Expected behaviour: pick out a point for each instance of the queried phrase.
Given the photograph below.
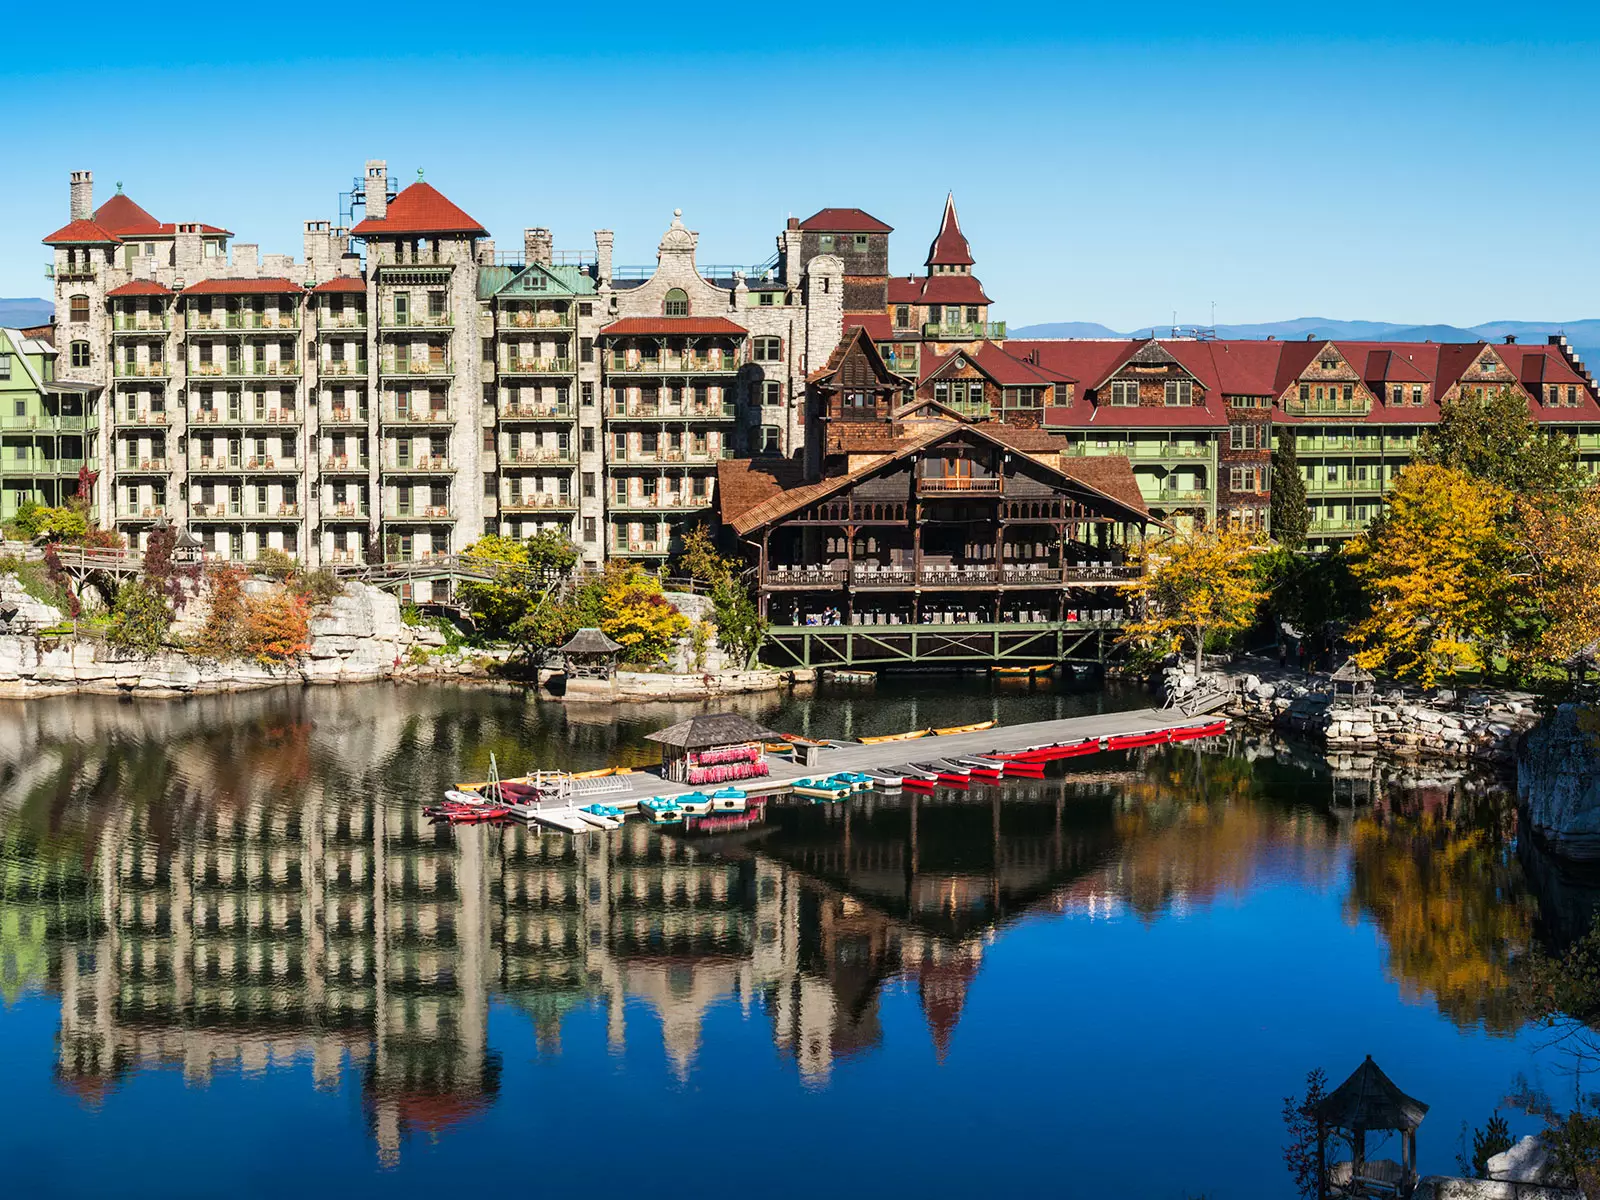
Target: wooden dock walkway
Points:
(628, 790)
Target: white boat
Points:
(596, 820)
(886, 779)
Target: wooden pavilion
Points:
(1368, 1102)
(712, 748)
(590, 654)
(1356, 682)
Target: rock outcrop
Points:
(1558, 781)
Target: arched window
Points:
(78, 309)
(676, 304)
(80, 354)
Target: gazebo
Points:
(1368, 1101)
(712, 748)
(1355, 681)
(590, 654)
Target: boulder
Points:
(1558, 781)
(1529, 1161)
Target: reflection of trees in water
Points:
(1449, 899)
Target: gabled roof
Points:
(534, 279)
(949, 248)
(342, 283)
(844, 220)
(81, 233)
(242, 287)
(1150, 352)
(141, 287)
(999, 367)
(877, 324)
(855, 336)
(936, 289)
(710, 729)
(420, 208)
(671, 326)
(743, 483)
(120, 212)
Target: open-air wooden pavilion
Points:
(1365, 1103)
(712, 748)
(1356, 682)
(590, 654)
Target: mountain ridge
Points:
(21, 311)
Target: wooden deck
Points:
(629, 789)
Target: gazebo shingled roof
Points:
(1370, 1100)
(1353, 672)
(710, 729)
(590, 640)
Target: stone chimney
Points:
(245, 263)
(188, 253)
(604, 239)
(789, 253)
(82, 195)
(377, 189)
(537, 246)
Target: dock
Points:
(626, 791)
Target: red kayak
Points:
(1189, 733)
(1130, 741)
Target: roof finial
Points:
(419, 174)
(677, 212)
(119, 187)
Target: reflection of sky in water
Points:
(1175, 947)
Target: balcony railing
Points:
(349, 510)
(673, 364)
(136, 466)
(431, 512)
(345, 462)
(536, 412)
(526, 458)
(342, 366)
(1167, 497)
(691, 411)
(426, 463)
(342, 320)
(346, 558)
(510, 319)
(665, 502)
(675, 457)
(141, 512)
(419, 416)
(960, 484)
(417, 321)
(141, 323)
(270, 462)
(142, 417)
(244, 369)
(536, 366)
(139, 370)
(416, 366)
(71, 271)
(1321, 487)
(215, 462)
(44, 423)
(537, 501)
(872, 575)
(960, 331)
(242, 322)
(626, 546)
(1143, 450)
(338, 415)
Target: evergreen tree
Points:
(1288, 494)
(1493, 438)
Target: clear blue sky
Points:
(1414, 162)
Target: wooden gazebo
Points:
(712, 748)
(1355, 681)
(590, 654)
(1368, 1101)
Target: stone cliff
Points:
(1558, 781)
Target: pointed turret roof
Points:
(942, 990)
(950, 248)
(120, 213)
(420, 208)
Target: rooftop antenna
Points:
(1213, 314)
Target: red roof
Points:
(120, 212)
(80, 233)
(420, 208)
(242, 287)
(672, 325)
(1003, 368)
(342, 283)
(166, 229)
(937, 289)
(878, 325)
(845, 220)
(950, 248)
(141, 287)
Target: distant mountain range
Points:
(1584, 335)
(24, 311)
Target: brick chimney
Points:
(82, 195)
(537, 246)
(377, 189)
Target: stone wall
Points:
(1558, 782)
(1482, 726)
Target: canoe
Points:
(1037, 755)
(983, 768)
(1189, 733)
(602, 773)
(778, 747)
(894, 737)
(1130, 741)
(887, 780)
(975, 727)
(917, 777)
(947, 772)
(1036, 669)
(794, 739)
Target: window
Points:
(825, 243)
(972, 316)
(1245, 479)
(1416, 395)
(80, 354)
(585, 309)
(772, 393)
(588, 529)
(78, 308)
(676, 303)
(769, 439)
(586, 350)
(1305, 392)
(1397, 394)
(402, 308)
(765, 299)
(588, 485)
(488, 440)
(1349, 393)
(1572, 397)
(860, 241)
(588, 441)
(902, 316)
(1125, 393)
(1246, 437)
(5, 368)
(769, 349)
(1180, 392)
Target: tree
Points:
(1288, 517)
(700, 559)
(223, 634)
(741, 629)
(524, 572)
(1314, 594)
(140, 619)
(277, 626)
(1560, 548)
(1434, 569)
(1494, 438)
(638, 616)
(1300, 1123)
(1208, 587)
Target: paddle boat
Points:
(728, 800)
(609, 811)
(886, 780)
(917, 777)
(693, 804)
(661, 810)
(946, 771)
(821, 789)
(859, 781)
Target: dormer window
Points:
(1330, 364)
(676, 303)
(1125, 393)
(1180, 393)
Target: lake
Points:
(234, 957)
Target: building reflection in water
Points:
(299, 909)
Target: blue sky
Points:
(1406, 162)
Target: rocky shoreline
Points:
(1483, 726)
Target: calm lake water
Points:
(235, 959)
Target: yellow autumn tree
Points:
(1207, 586)
(1559, 538)
(638, 616)
(1434, 569)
